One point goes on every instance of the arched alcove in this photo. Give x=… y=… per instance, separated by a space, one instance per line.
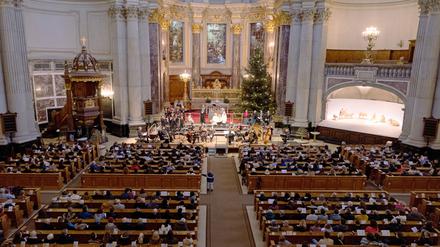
x=365 y=109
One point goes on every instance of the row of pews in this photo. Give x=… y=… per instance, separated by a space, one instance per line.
x=285 y=215
x=171 y=214
x=384 y=167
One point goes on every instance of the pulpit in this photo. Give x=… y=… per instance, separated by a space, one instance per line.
x=83 y=108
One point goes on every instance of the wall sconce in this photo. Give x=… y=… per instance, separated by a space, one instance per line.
x=107 y=93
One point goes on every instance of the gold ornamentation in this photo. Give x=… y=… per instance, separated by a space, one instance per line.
x=322 y=15
x=270 y=25
x=236 y=28
x=197 y=27
x=161 y=17
x=11 y=3
x=282 y=18
x=132 y=12
x=435 y=5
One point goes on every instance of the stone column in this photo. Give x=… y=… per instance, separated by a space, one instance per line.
x=304 y=68
x=436 y=111
x=16 y=71
x=282 y=60
x=144 y=43
x=293 y=59
x=196 y=30
x=319 y=46
x=427 y=77
x=236 y=51
x=3 y=106
x=269 y=49
x=409 y=106
x=119 y=56
x=134 y=68
x=165 y=59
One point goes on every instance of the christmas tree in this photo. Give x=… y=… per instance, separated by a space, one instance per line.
x=256 y=93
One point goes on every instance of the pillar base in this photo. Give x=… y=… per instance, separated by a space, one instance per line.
x=300 y=123
x=420 y=143
x=117 y=128
x=435 y=145
x=28 y=137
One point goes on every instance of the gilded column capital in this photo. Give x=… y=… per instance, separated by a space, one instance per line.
x=322 y=15
x=283 y=18
x=116 y=12
x=164 y=24
x=143 y=13
x=424 y=6
x=132 y=12
x=197 y=27
x=236 y=28
x=308 y=14
x=296 y=15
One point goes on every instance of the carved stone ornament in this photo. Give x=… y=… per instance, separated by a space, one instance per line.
x=143 y=13
x=236 y=28
x=308 y=14
x=132 y=12
x=322 y=15
x=117 y=12
x=425 y=7
x=197 y=27
x=435 y=6
x=11 y=3
x=296 y=15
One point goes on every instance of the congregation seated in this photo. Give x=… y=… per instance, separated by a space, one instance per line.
x=122 y=216
x=342 y=217
x=297 y=160
x=148 y=159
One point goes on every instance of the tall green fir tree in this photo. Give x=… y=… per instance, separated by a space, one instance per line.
x=256 y=93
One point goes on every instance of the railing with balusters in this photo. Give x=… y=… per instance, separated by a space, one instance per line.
x=383 y=70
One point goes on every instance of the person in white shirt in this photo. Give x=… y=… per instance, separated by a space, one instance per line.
x=118 y=204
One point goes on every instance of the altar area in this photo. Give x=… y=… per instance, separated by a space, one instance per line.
x=214 y=89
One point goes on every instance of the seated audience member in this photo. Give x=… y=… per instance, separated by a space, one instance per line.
x=415 y=215
x=33 y=238
x=65 y=238
x=301 y=227
x=326 y=240
x=94 y=239
x=124 y=239
x=108 y=238
x=274 y=227
x=85 y=214
x=188 y=241
x=282 y=241
x=50 y=239
x=155 y=239
x=425 y=238
x=110 y=226
x=286 y=227
x=363 y=217
x=372 y=228
x=339 y=239
x=170 y=238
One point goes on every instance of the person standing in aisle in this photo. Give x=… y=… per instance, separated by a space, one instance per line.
x=210 y=180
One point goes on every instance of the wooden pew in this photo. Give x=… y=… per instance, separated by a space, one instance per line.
x=411 y=183
x=5 y=224
x=147 y=181
x=42 y=180
x=286 y=182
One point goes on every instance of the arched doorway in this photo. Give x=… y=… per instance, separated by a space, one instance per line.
x=366 y=109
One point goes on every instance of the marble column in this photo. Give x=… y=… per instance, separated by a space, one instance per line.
x=415 y=68
x=144 y=44
x=427 y=77
x=436 y=111
x=4 y=140
x=134 y=68
x=16 y=71
x=154 y=67
x=236 y=51
x=165 y=60
x=283 y=57
x=119 y=57
x=195 y=75
x=293 y=59
x=304 y=68
x=319 y=46
x=269 y=47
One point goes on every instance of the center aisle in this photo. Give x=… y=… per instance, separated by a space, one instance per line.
x=227 y=223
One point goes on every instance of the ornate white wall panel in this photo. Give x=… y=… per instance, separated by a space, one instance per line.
x=98 y=33
x=396 y=22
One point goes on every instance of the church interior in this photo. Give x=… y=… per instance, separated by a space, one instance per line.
x=258 y=123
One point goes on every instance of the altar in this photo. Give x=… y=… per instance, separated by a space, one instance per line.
x=214 y=88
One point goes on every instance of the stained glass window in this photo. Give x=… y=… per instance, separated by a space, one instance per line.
x=256 y=37
x=176 y=42
x=216 y=43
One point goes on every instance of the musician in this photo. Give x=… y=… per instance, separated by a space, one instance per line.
x=202 y=114
x=267 y=118
x=230 y=135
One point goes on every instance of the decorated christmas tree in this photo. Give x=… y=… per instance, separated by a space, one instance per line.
x=256 y=93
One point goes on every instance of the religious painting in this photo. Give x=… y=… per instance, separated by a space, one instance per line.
x=176 y=42
x=256 y=37
x=216 y=43
x=60 y=89
x=43 y=86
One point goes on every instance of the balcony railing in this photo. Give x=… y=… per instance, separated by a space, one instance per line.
x=392 y=71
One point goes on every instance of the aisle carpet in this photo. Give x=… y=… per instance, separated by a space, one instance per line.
x=227 y=222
